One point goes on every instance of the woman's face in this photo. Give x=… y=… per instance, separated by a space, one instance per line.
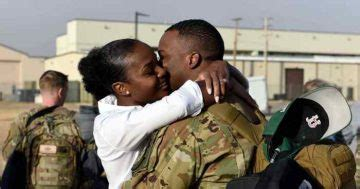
x=146 y=80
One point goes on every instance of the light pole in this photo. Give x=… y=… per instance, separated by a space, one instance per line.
x=236 y=38
x=266 y=47
x=137 y=14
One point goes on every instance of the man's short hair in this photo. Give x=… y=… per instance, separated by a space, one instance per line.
x=51 y=79
x=204 y=37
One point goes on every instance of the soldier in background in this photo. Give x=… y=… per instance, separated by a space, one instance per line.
x=349 y=134
x=53 y=90
x=85 y=120
x=93 y=174
x=44 y=141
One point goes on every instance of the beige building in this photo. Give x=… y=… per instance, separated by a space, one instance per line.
x=18 y=71
x=288 y=74
x=294 y=57
x=67 y=63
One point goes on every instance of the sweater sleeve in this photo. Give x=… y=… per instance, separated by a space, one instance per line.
x=125 y=130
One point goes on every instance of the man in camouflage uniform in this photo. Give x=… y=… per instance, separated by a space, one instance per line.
x=53 y=90
x=212 y=148
x=48 y=130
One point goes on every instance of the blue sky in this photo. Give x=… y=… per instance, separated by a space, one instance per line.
x=32 y=25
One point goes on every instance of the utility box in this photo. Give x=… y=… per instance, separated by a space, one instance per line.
x=26 y=95
x=258 y=90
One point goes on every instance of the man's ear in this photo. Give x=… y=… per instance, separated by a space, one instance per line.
x=193 y=60
x=61 y=92
x=120 y=89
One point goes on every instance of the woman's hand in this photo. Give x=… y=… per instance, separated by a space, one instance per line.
x=216 y=78
x=220 y=77
x=239 y=86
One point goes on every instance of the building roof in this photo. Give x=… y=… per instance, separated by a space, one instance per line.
x=21 y=52
x=13 y=49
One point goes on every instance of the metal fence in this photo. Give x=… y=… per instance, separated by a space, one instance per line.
x=27 y=93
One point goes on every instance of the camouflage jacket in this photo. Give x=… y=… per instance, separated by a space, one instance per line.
x=16 y=132
x=206 y=151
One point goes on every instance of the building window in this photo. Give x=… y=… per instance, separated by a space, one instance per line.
x=350 y=93
x=251 y=68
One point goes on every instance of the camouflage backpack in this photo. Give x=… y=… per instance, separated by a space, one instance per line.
x=52 y=145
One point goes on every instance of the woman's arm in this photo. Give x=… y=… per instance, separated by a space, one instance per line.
x=126 y=129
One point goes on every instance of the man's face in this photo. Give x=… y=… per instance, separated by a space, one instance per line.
x=172 y=52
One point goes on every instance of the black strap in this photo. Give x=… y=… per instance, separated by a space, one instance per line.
x=40 y=113
x=249 y=170
x=28 y=122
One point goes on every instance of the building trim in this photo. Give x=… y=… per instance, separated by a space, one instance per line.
x=289 y=59
x=13 y=49
x=65 y=54
x=9 y=61
x=221 y=26
x=21 y=52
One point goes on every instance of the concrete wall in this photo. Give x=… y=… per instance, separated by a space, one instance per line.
x=343 y=75
x=293 y=41
x=32 y=69
x=17 y=68
x=83 y=35
x=67 y=64
x=9 y=77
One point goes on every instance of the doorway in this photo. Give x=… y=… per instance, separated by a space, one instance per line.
x=294 y=81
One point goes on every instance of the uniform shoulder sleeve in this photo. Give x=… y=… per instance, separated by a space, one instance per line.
x=172 y=160
x=64 y=111
x=231 y=115
x=225 y=155
x=15 y=133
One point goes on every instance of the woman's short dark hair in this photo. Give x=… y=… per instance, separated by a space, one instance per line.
x=106 y=65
